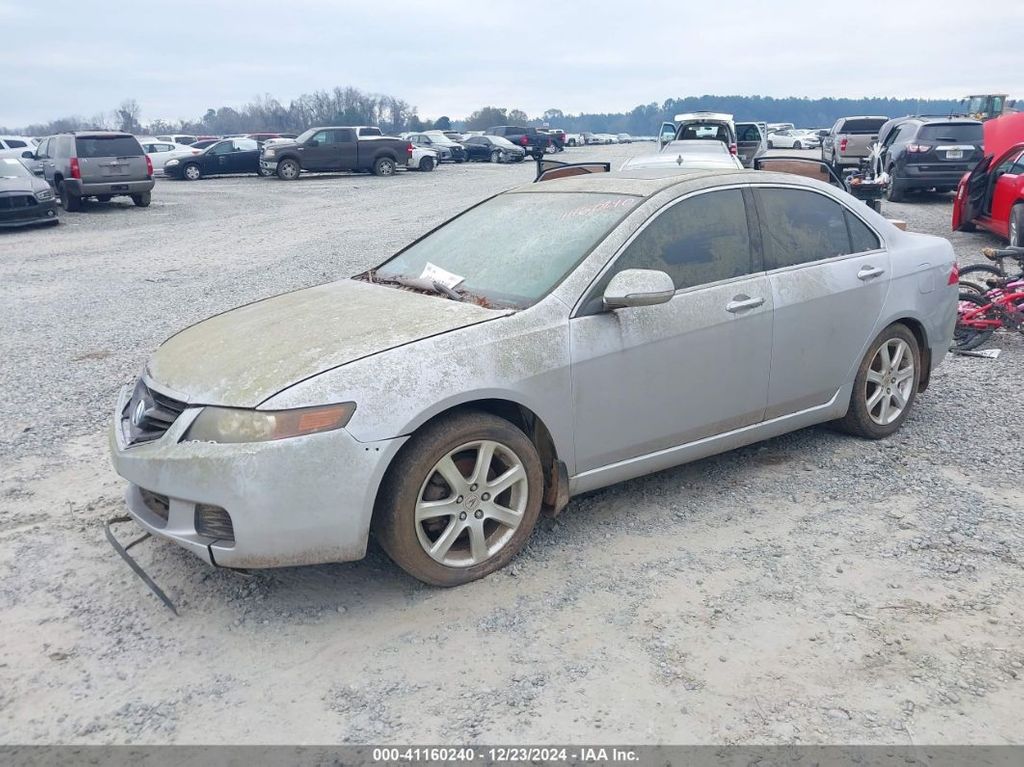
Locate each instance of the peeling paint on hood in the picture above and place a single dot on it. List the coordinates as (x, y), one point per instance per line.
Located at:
(246, 355)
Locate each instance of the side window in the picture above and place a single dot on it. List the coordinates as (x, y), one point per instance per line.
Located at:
(700, 240)
(862, 239)
(344, 136)
(323, 137)
(13, 143)
(800, 227)
(43, 149)
(1018, 166)
(246, 145)
(224, 147)
(894, 135)
(1006, 166)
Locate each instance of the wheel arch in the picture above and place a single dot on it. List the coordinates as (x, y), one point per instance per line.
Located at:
(556, 477)
(916, 327)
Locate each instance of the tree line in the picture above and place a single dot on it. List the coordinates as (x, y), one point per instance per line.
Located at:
(351, 106)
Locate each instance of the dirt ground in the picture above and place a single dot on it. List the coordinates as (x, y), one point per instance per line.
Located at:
(810, 589)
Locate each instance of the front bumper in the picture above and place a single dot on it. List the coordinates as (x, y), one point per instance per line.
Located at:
(40, 213)
(299, 501)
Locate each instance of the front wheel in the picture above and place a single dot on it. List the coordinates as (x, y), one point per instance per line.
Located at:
(288, 170)
(771, 144)
(385, 166)
(885, 386)
(191, 172)
(460, 499)
(975, 277)
(1017, 226)
(797, 145)
(495, 156)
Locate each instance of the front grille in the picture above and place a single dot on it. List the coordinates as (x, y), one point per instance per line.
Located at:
(158, 504)
(17, 201)
(149, 413)
(214, 522)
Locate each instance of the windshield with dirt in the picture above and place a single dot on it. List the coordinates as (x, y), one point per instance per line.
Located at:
(511, 250)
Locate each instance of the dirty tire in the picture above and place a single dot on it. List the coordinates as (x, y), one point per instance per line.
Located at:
(974, 277)
(394, 518)
(384, 166)
(142, 200)
(70, 202)
(1017, 226)
(288, 170)
(858, 419)
(965, 338)
(894, 192)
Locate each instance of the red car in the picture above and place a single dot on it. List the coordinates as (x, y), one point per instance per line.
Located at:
(991, 196)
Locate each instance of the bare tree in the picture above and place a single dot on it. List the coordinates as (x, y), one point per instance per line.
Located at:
(128, 116)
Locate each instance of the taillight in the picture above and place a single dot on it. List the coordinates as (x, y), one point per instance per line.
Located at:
(524, 141)
(76, 172)
(917, 148)
(149, 165)
(954, 275)
(842, 144)
(732, 149)
(408, 149)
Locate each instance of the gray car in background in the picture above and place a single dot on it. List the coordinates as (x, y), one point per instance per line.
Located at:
(100, 164)
(491, 370)
(850, 139)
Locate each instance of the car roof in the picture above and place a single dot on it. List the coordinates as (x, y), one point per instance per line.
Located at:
(699, 115)
(96, 134)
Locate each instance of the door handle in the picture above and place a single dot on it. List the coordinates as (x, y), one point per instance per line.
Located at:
(741, 303)
(867, 272)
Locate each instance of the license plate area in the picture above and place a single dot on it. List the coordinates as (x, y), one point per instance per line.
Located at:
(118, 187)
(954, 154)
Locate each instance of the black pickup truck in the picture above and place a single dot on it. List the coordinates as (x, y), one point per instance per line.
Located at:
(531, 140)
(344, 148)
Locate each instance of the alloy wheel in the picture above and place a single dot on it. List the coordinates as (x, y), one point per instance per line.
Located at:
(890, 380)
(471, 503)
(192, 172)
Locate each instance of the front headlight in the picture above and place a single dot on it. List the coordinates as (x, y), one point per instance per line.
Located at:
(172, 162)
(43, 196)
(234, 425)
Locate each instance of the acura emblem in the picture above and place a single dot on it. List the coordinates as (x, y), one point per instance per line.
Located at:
(139, 414)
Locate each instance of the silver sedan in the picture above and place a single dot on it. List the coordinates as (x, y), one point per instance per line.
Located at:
(492, 370)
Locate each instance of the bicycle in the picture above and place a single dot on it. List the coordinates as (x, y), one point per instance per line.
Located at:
(979, 315)
(985, 276)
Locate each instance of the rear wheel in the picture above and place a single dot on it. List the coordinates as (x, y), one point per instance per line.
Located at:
(288, 170)
(965, 337)
(385, 166)
(894, 192)
(69, 201)
(427, 164)
(263, 172)
(191, 172)
(1017, 226)
(460, 500)
(142, 199)
(885, 386)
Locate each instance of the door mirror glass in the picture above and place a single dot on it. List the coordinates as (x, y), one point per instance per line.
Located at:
(668, 132)
(28, 155)
(638, 287)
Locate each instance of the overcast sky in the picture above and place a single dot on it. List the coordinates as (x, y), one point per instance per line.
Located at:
(177, 58)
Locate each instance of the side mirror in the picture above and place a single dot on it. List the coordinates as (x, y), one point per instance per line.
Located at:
(28, 155)
(638, 287)
(667, 134)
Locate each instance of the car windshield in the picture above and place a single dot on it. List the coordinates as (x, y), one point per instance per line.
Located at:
(513, 249)
(107, 146)
(11, 168)
(502, 142)
(968, 133)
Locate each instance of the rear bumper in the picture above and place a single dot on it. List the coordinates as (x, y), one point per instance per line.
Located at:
(112, 188)
(912, 176)
(41, 213)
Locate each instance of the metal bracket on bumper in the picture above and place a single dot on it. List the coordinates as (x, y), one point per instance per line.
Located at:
(136, 568)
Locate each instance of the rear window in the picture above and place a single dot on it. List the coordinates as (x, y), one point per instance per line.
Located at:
(370, 132)
(13, 143)
(108, 146)
(863, 126)
(969, 133)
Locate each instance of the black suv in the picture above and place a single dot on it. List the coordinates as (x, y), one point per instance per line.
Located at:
(927, 153)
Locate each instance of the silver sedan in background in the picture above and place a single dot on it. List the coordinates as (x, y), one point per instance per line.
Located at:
(551, 340)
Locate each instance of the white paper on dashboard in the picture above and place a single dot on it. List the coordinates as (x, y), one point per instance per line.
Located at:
(434, 273)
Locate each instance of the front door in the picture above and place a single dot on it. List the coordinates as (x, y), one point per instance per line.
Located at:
(1005, 186)
(649, 378)
(829, 276)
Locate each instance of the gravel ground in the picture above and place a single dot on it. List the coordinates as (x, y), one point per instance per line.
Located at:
(809, 589)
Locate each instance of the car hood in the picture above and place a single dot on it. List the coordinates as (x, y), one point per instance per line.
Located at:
(19, 184)
(244, 356)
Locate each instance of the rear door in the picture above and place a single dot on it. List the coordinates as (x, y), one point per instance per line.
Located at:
(110, 159)
(348, 151)
(749, 142)
(828, 276)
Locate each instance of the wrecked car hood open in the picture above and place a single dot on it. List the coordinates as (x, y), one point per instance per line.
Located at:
(246, 355)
